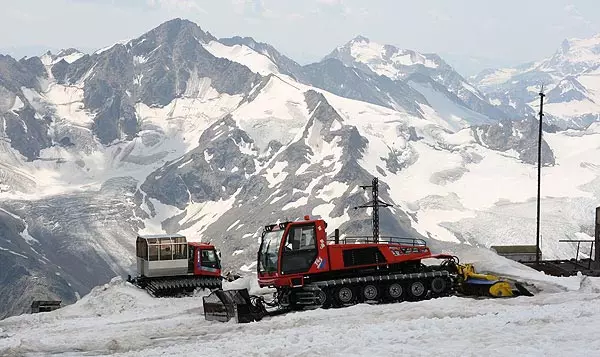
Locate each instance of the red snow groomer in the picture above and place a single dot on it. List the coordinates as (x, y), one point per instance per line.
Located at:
(308, 269)
(168, 265)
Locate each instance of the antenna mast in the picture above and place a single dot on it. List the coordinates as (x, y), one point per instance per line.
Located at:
(537, 237)
(375, 203)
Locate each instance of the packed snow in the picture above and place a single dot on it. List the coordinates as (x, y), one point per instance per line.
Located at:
(119, 319)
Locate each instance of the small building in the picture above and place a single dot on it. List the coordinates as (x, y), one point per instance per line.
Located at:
(519, 253)
(44, 305)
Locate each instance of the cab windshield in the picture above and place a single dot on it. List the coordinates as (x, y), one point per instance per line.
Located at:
(209, 258)
(269, 251)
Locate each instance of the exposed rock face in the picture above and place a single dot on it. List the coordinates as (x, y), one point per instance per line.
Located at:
(521, 136)
(215, 170)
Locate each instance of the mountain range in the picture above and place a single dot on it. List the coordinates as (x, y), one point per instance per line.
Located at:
(570, 80)
(178, 131)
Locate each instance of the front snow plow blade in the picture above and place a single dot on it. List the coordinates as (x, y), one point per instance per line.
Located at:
(223, 305)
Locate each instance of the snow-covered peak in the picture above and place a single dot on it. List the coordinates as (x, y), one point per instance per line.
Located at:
(574, 56)
(256, 61)
(70, 55)
(568, 85)
(569, 76)
(385, 60)
(264, 53)
(358, 39)
(247, 41)
(412, 66)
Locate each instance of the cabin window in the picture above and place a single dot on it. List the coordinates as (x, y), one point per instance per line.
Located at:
(300, 249)
(301, 238)
(180, 251)
(179, 240)
(141, 248)
(152, 252)
(166, 251)
(209, 256)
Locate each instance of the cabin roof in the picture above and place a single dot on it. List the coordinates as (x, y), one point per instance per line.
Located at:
(149, 236)
(37, 303)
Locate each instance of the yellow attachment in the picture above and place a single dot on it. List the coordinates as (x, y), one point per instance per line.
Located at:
(468, 271)
(498, 289)
(501, 288)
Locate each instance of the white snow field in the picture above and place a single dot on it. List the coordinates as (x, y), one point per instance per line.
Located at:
(118, 319)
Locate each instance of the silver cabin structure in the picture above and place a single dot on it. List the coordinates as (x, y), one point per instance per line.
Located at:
(162, 255)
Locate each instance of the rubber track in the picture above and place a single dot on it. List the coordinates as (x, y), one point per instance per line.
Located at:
(172, 287)
(381, 278)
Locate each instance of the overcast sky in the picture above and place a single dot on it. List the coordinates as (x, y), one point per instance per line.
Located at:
(469, 34)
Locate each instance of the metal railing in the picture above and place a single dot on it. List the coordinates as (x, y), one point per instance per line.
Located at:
(579, 241)
(382, 239)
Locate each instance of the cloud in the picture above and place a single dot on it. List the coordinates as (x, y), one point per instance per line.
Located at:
(176, 5)
(576, 15)
(330, 2)
(254, 8)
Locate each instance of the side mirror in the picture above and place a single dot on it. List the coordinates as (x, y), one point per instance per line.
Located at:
(219, 254)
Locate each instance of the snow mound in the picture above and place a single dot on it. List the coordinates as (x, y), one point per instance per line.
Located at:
(588, 285)
(486, 261)
(112, 298)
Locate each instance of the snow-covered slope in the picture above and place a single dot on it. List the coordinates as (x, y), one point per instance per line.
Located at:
(175, 131)
(571, 81)
(243, 54)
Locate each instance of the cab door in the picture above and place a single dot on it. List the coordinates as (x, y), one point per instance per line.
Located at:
(207, 262)
(299, 249)
(191, 254)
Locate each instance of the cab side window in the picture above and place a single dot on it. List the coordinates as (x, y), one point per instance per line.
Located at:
(301, 238)
(300, 249)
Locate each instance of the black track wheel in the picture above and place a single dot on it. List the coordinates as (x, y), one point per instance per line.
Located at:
(417, 290)
(439, 285)
(395, 291)
(370, 292)
(345, 295)
(323, 298)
